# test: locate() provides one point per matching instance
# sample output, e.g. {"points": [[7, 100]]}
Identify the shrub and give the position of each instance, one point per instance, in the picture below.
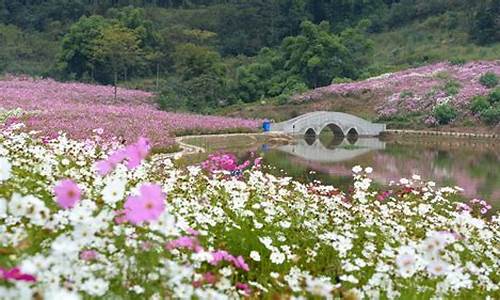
{"points": [[337, 80], [489, 79], [494, 96], [444, 113], [491, 116], [452, 87], [479, 104], [457, 61]]}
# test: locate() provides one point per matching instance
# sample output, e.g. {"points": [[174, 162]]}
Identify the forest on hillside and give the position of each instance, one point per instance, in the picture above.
{"points": [[200, 55]]}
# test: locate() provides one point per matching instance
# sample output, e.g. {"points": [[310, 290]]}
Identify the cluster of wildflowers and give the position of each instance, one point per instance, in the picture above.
{"points": [[227, 163], [475, 206], [153, 231], [77, 109]]}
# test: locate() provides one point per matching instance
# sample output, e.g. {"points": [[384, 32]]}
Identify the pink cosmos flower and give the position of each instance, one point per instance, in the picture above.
{"points": [[192, 231], [67, 193], [210, 278], [16, 274], [133, 154], [137, 152], [185, 242], [148, 206], [257, 162], [243, 287], [88, 255], [239, 262], [222, 255], [218, 256], [120, 217], [104, 167]]}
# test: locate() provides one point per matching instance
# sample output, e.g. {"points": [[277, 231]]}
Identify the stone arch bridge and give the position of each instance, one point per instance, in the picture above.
{"points": [[341, 124]]}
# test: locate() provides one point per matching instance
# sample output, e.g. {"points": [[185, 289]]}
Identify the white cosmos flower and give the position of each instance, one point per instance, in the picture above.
{"points": [[407, 261], [5, 169], [277, 257], [349, 278], [255, 255], [319, 287], [114, 191], [357, 169], [17, 206], [368, 170], [438, 268], [95, 286], [404, 181]]}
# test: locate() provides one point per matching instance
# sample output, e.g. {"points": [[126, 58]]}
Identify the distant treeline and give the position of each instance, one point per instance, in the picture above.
{"points": [[203, 54]]}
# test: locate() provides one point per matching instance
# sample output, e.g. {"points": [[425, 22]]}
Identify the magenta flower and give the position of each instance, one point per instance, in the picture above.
{"points": [[16, 275], [218, 256], [239, 262], [104, 167], [222, 255], [184, 242], [245, 288], [67, 193], [148, 206]]}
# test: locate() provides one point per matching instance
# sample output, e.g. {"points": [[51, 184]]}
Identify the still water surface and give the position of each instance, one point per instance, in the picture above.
{"points": [[473, 165]]}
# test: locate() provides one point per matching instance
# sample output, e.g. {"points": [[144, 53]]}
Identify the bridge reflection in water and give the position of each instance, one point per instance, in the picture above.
{"points": [[338, 149]]}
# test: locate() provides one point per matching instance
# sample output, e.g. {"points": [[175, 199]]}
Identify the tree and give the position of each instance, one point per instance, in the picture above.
{"points": [[316, 55], [118, 48], [192, 61], [78, 45], [486, 27]]}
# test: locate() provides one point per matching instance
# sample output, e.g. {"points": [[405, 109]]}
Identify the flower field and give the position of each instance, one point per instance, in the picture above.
{"points": [[79, 221], [77, 109], [417, 90]]}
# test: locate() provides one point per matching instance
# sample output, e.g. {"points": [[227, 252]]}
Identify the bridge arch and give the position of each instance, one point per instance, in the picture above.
{"points": [[352, 131], [311, 132], [334, 128]]}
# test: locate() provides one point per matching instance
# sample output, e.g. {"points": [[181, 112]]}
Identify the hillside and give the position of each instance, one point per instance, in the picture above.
{"points": [[402, 99], [85, 110]]}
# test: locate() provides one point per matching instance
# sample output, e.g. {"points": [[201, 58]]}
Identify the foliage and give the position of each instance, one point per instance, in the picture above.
{"points": [[117, 49], [489, 79], [192, 61], [479, 104], [457, 61], [200, 84], [486, 27], [491, 115], [311, 59], [444, 113], [452, 87], [494, 96], [78, 46]]}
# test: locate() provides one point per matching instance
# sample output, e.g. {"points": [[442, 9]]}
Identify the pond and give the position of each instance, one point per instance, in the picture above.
{"points": [[472, 164]]}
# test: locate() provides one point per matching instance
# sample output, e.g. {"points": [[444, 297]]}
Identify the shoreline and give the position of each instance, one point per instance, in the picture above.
{"points": [[187, 149], [441, 133]]}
